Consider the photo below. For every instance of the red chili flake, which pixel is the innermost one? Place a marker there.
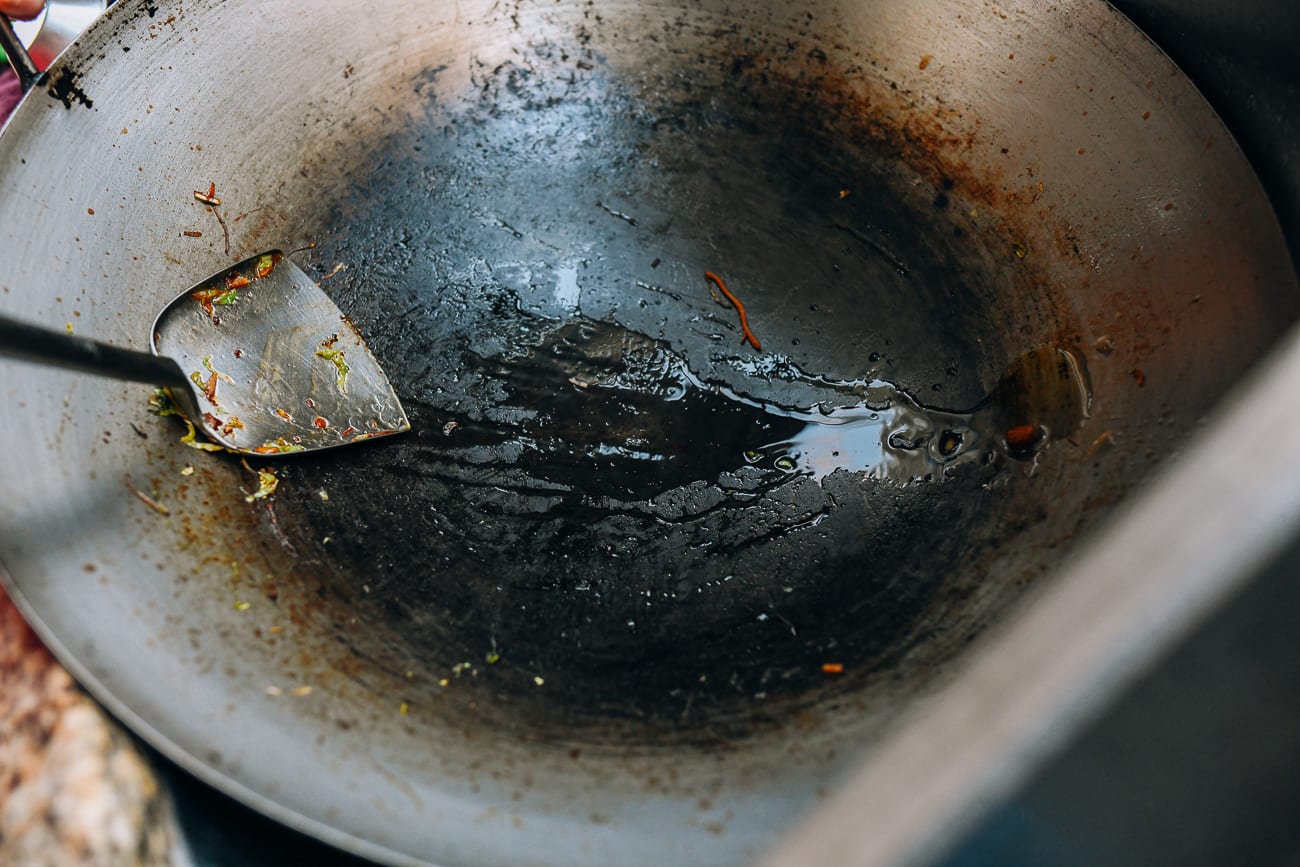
(1022, 436)
(348, 432)
(832, 668)
(310, 402)
(239, 353)
(320, 423)
(284, 415)
(211, 388)
(237, 281)
(190, 234)
(205, 297)
(212, 420)
(746, 334)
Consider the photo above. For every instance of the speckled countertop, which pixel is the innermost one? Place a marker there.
(74, 788)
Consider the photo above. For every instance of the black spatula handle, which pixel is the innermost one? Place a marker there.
(27, 342)
(19, 59)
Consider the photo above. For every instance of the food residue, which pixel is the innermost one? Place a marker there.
(278, 446)
(145, 498)
(190, 440)
(335, 357)
(1105, 438)
(267, 482)
(209, 386)
(337, 268)
(832, 668)
(375, 434)
(746, 334)
(210, 197)
(209, 298)
(160, 404)
(1023, 437)
(265, 265)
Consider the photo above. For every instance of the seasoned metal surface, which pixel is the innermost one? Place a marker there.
(582, 612)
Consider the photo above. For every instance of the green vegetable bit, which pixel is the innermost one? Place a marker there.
(191, 439)
(160, 404)
(267, 482)
(279, 446)
(335, 357)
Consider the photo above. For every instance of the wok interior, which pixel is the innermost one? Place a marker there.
(582, 610)
(593, 496)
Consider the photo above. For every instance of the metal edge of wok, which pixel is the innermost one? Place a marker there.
(1132, 624)
(1168, 559)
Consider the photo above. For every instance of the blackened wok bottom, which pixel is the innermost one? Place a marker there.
(580, 502)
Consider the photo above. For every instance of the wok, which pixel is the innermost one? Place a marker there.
(581, 613)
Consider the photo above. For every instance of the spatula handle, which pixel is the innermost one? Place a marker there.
(27, 342)
(28, 73)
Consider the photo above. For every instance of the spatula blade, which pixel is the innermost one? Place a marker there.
(274, 364)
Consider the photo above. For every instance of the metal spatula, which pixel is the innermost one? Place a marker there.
(256, 356)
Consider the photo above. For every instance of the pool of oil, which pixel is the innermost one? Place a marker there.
(600, 409)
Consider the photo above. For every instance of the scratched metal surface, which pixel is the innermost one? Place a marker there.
(506, 183)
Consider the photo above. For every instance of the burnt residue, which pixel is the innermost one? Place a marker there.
(604, 565)
(65, 89)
